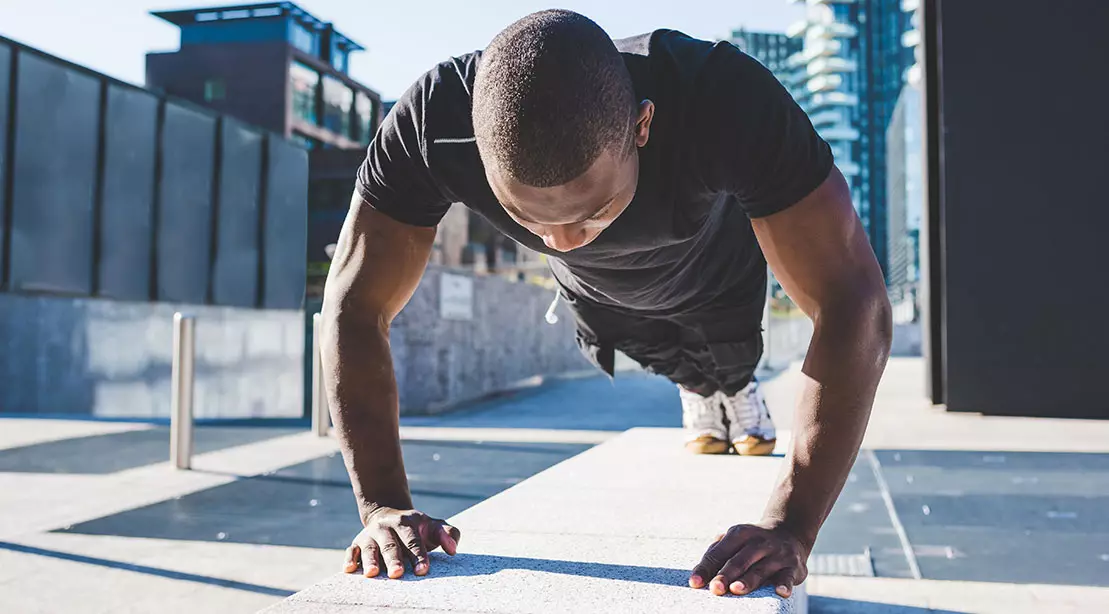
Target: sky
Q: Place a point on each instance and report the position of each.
(404, 38)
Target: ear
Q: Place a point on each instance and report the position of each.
(643, 122)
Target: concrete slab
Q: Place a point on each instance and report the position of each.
(614, 529)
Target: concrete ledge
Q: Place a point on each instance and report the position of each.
(615, 529)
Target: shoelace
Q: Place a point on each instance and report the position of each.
(698, 409)
(751, 414)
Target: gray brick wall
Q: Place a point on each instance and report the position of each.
(111, 359)
(440, 362)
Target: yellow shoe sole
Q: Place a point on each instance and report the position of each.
(707, 445)
(753, 446)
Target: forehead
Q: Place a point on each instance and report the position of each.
(570, 202)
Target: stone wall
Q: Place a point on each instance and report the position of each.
(104, 358)
(440, 363)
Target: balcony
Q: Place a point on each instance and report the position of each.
(827, 118)
(839, 133)
(848, 168)
(833, 99)
(911, 38)
(826, 65)
(914, 75)
(814, 49)
(830, 30)
(824, 83)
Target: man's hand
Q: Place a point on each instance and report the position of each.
(749, 557)
(392, 536)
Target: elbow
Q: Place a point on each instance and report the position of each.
(863, 321)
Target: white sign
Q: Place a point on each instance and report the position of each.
(456, 297)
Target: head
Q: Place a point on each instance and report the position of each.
(558, 127)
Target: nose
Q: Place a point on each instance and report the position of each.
(565, 238)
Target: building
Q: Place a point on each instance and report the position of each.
(272, 65)
(905, 197)
(278, 67)
(772, 49)
(848, 76)
(905, 194)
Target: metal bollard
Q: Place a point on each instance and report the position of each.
(181, 405)
(321, 419)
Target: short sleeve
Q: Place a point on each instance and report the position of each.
(395, 178)
(757, 143)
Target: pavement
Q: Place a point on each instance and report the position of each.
(942, 513)
(610, 530)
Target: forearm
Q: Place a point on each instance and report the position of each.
(362, 394)
(845, 361)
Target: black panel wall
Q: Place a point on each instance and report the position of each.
(127, 206)
(235, 273)
(184, 226)
(54, 177)
(285, 226)
(1022, 170)
(5, 92)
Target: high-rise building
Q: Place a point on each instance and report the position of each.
(848, 76)
(904, 159)
(772, 49)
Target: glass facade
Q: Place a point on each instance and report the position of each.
(304, 82)
(848, 76)
(364, 114)
(338, 102)
(769, 48)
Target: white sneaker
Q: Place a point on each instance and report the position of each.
(703, 421)
(749, 424)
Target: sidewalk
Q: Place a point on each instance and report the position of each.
(92, 519)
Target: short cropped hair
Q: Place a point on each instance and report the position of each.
(551, 93)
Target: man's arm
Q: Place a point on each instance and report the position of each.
(819, 252)
(377, 265)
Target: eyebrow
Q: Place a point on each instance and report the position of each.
(608, 205)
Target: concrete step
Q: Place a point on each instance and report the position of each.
(615, 529)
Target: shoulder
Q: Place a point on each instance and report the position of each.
(438, 104)
(678, 51)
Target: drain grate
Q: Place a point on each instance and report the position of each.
(856, 565)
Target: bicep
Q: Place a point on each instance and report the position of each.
(378, 262)
(819, 251)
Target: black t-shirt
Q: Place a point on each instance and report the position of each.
(727, 143)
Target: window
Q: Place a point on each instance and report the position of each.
(339, 59)
(338, 99)
(302, 38)
(304, 82)
(364, 115)
(214, 89)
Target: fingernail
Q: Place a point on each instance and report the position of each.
(696, 582)
(371, 572)
(396, 573)
(738, 587)
(718, 587)
(783, 591)
(421, 569)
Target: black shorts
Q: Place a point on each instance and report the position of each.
(712, 350)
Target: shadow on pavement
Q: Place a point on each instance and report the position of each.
(1014, 517)
(831, 605)
(311, 505)
(596, 403)
(146, 569)
(112, 452)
